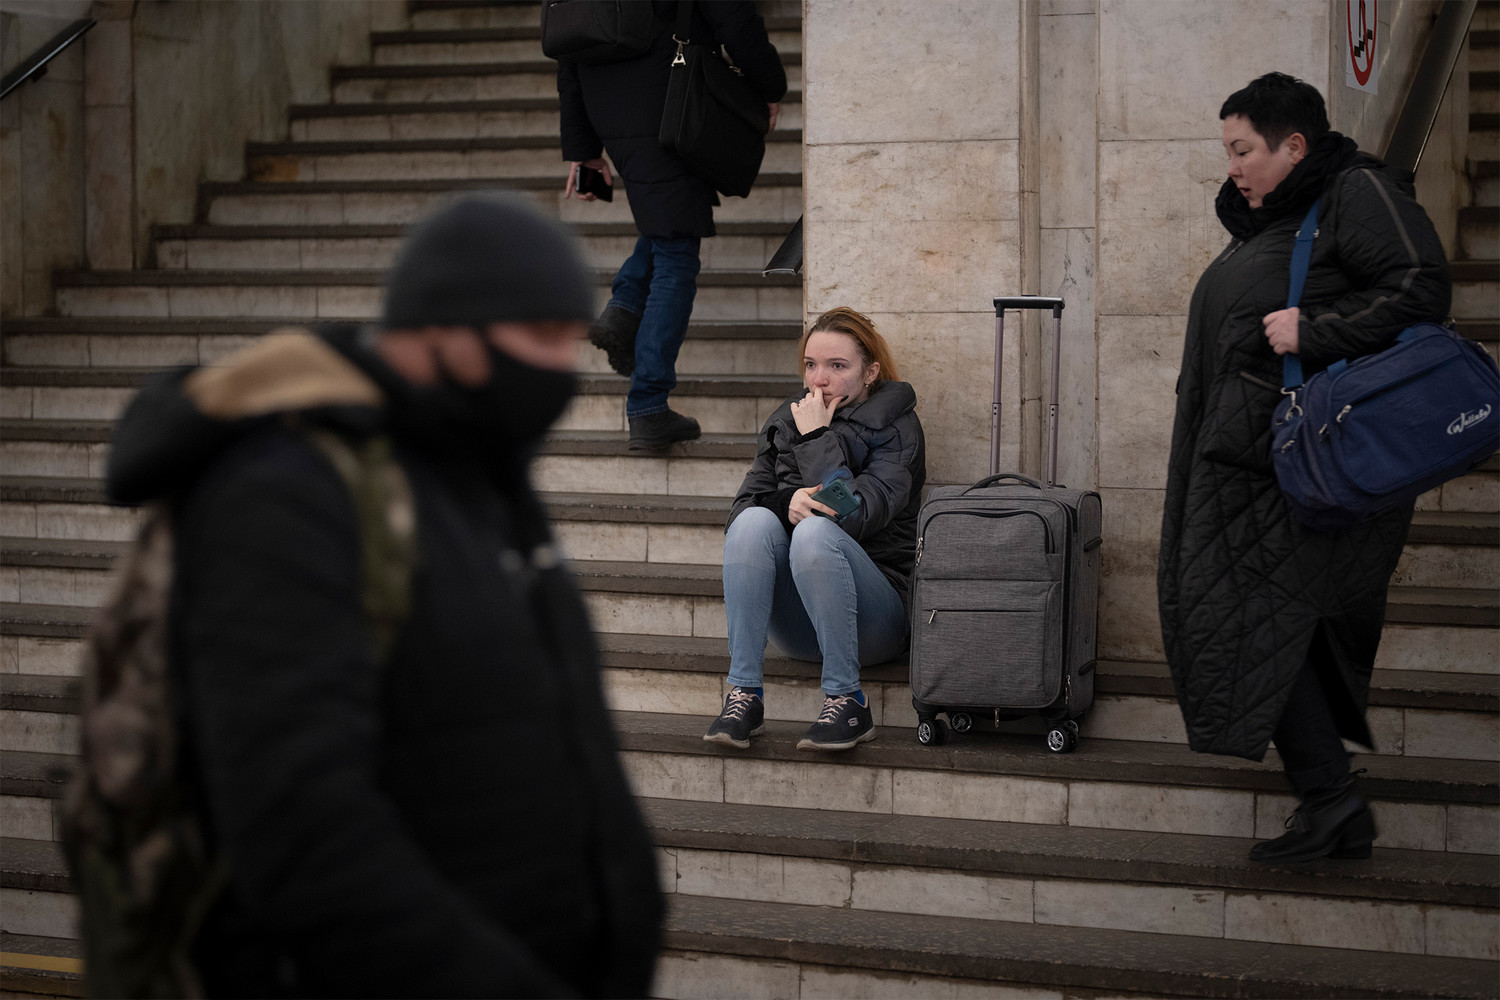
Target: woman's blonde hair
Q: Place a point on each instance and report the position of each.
(871, 345)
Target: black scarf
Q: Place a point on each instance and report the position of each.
(1328, 157)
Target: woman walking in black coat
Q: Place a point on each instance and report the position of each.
(618, 106)
(1271, 628)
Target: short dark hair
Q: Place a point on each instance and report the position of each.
(1278, 105)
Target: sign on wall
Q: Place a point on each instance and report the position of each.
(1359, 71)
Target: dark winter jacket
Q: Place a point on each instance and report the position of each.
(453, 822)
(1243, 587)
(879, 443)
(618, 107)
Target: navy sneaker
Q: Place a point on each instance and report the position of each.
(844, 723)
(744, 716)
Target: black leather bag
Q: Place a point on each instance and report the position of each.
(594, 32)
(714, 120)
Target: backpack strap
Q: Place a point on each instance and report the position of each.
(386, 513)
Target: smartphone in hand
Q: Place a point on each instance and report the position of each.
(591, 181)
(839, 496)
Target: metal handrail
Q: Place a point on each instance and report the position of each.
(1428, 86)
(36, 66)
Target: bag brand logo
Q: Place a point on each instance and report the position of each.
(1466, 420)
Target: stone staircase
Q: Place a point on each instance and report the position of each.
(985, 867)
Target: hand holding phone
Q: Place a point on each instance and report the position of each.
(839, 496)
(591, 181)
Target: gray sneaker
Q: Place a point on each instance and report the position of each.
(744, 716)
(844, 723)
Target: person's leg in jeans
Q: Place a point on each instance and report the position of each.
(673, 284)
(757, 581)
(858, 618)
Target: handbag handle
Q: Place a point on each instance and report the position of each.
(1291, 365)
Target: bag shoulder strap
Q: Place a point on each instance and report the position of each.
(682, 34)
(386, 514)
(1291, 365)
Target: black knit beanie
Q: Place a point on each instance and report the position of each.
(487, 258)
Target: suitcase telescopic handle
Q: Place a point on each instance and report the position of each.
(1055, 304)
(992, 480)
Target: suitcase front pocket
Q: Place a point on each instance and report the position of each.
(999, 646)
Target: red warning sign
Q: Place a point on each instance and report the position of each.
(1359, 73)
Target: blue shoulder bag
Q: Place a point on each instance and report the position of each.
(1373, 433)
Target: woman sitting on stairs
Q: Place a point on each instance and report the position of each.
(819, 545)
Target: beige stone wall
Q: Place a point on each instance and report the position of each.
(156, 97)
(912, 186)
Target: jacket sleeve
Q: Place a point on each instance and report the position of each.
(1389, 250)
(579, 140)
(743, 34)
(883, 484)
(760, 481)
(283, 704)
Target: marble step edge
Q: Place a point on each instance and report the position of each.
(1432, 780)
(607, 444)
(1470, 693)
(186, 278)
(1056, 957)
(463, 144)
(505, 67)
(331, 231)
(589, 384)
(208, 190)
(41, 966)
(190, 326)
(988, 848)
(1479, 271)
(360, 109)
(440, 36)
(1437, 692)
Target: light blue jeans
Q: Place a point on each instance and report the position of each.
(817, 595)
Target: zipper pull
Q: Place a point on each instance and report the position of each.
(920, 540)
(678, 60)
(932, 617)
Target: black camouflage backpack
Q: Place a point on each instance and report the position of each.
(144, 874)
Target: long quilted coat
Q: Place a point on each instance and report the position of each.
(1244, 590)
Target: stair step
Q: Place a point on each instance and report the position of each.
(489, 157)
(1423, 803)
(777, 949)
(724, 346)
(438, 119)
(510, 78)
(776, 197)
(41, 966)
(437, 14)
(727, 403)
(325, 294)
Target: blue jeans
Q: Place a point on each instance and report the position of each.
(657, 283)
(817, 595)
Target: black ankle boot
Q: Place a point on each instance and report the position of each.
(614, 334)
(1332, 822)
(662, 429)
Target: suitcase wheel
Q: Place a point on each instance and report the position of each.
(1063, 737)
(962, 721)
(931, 732)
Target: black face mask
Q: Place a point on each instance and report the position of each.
(507, 413)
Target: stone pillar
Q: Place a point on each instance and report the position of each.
(913, 209)
(109, 151)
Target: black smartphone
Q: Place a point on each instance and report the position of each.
(839, 496)
(591, 181)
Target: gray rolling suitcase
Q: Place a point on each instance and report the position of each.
(1005, 590)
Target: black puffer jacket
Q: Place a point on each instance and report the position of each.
(879, 443)
(618, 107)
(454, 822)
(1243, 587)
